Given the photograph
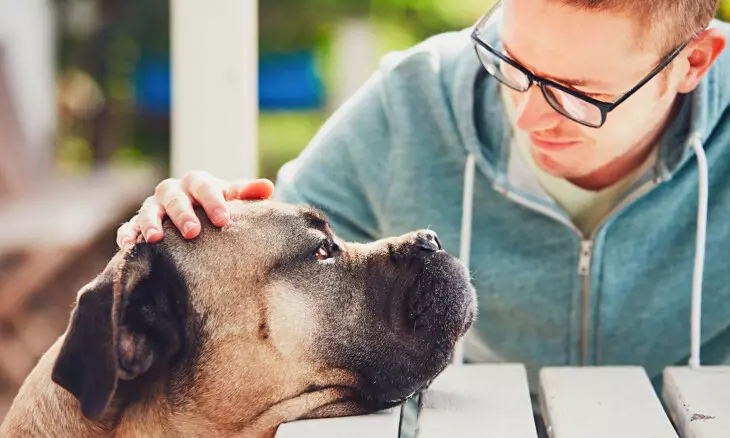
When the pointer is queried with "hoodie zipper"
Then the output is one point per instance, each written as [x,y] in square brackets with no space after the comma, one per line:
[586,248]
[584,269]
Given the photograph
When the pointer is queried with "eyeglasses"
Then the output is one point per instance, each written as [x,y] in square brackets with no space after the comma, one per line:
[570,103]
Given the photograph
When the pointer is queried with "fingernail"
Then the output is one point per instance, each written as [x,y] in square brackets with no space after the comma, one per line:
[149,233]
[188,227]
[219,215]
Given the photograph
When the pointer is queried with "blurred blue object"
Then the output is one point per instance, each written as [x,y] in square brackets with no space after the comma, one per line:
[152,87]
[288,81]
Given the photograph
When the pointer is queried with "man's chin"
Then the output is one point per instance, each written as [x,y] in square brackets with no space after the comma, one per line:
[551,166]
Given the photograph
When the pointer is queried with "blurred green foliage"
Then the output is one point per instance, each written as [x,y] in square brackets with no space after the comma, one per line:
[299,24]
[126,30]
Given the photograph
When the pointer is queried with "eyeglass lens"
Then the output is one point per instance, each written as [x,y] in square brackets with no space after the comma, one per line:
[566,104]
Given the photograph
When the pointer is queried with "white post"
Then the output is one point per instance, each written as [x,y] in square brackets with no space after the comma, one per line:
[27,31]
[355,55]
[215,87]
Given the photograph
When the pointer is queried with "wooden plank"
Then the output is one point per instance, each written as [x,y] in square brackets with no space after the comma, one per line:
[698,400]
[72,211]
[490,400]
[40,267]
[602,402]
[381,424]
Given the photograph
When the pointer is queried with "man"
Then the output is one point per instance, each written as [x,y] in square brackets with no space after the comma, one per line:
[583,213]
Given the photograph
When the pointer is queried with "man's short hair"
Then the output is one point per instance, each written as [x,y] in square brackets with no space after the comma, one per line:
[672,22]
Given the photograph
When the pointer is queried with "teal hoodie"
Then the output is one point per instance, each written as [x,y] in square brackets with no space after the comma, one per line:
[425,144]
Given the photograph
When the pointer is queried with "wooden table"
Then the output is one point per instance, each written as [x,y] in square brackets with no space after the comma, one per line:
[490,400]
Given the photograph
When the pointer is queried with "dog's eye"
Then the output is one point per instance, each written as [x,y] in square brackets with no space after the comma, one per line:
[326,250]
[323,252]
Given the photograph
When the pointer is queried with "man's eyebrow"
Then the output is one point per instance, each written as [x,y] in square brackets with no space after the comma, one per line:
[563,81]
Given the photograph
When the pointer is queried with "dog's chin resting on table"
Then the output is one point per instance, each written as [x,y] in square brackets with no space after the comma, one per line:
[267,320]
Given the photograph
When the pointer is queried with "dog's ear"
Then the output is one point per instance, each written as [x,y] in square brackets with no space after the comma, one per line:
[126,320]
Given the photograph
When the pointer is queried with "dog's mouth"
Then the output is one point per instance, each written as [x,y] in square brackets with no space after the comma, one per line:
[441,301]
[414,307]
[432,310]
[352,401]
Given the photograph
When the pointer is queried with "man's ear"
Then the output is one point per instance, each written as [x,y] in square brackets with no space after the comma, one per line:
[125,322]
[702,55]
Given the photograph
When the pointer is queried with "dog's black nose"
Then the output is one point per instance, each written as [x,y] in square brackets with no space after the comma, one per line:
[428,240]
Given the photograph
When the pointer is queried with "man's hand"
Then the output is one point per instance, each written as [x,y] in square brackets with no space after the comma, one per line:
[176,199]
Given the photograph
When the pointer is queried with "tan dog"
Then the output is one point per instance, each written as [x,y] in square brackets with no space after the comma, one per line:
[269,319]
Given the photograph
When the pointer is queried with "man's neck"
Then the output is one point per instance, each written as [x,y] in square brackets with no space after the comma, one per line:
[616,170]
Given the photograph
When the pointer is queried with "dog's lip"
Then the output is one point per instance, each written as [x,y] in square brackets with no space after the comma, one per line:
[316,388]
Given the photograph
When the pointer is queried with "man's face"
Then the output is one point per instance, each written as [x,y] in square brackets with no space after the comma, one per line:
[563,43]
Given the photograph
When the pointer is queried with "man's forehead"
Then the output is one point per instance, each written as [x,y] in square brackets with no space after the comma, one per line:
[566,44]
[573,81]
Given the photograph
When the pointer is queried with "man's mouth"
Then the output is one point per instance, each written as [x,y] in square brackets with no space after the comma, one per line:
[552,145]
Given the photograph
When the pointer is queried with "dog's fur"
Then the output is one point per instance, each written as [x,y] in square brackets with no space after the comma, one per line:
[244,328]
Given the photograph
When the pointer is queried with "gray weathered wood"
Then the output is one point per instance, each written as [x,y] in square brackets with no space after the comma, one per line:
[382,424]
[602,402]
[69,211]
[698,400]
[478,400]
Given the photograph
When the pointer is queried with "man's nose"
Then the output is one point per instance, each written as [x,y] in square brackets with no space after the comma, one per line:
[427,240]
[534,113]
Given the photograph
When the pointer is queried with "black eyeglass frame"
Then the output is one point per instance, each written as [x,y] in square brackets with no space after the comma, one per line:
[604,107]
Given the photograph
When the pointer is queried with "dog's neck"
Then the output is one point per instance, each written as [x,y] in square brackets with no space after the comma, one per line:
[42,406]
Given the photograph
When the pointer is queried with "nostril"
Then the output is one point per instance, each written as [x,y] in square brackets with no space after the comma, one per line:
[428,240]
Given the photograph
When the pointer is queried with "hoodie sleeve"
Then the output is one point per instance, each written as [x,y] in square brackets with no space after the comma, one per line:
[340,171]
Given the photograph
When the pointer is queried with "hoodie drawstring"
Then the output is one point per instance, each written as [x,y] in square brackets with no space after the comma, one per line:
[467,206]
[696,314]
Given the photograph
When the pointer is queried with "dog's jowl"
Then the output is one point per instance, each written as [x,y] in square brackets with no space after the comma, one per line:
[269,319]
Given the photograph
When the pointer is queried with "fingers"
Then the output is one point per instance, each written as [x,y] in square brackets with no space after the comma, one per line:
[248,190]
[207,191]
[176,203]
[149,220]
[176,198]
[127,233]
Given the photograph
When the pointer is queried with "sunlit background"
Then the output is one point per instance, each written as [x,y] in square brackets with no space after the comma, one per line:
[114,72]
[106,104]
[114,64]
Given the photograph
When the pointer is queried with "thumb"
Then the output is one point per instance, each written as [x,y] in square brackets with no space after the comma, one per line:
[249,190]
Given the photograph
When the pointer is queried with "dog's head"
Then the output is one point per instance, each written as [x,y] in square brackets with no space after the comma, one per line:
[268,319]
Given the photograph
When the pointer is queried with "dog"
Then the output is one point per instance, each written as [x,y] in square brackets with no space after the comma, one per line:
[267,320]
